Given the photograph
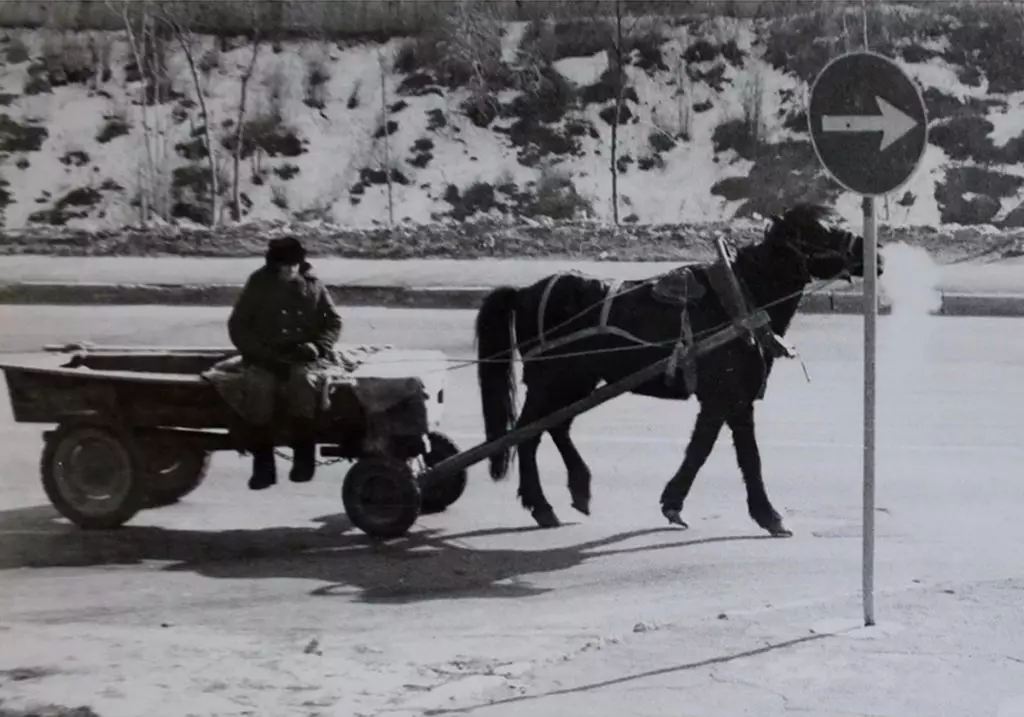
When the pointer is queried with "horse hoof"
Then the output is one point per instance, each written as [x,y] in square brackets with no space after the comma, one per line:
[546,518]
[778,530]
[582,505]
[675,517]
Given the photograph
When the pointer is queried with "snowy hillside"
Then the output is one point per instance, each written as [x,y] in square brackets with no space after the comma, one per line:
[515,118]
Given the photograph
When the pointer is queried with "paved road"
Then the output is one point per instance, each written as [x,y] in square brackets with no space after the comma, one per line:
[238,603]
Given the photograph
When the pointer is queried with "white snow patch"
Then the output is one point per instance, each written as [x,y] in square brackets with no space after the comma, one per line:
[583,70]
[1007,122]
[511,41]
[939,73]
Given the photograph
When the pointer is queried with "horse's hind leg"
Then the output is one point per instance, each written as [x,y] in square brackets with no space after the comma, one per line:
[741,423]
[530,492]
[702,441]
[576,467]
[579,473]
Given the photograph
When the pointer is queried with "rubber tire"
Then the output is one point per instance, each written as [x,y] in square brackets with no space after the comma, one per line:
[134,499]
[369,471]
[440,494]
[190,472]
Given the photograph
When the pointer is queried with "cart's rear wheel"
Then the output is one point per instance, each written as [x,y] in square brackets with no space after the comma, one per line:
[381,497]
[441,491]
[91,476]
[174,468]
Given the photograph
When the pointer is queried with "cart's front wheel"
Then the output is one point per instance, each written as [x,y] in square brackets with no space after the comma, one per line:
[381,497]
[439,492]
[91,476]
[174,468]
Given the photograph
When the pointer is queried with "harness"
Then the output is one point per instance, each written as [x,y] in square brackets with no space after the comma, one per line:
[604,328]
[732,294]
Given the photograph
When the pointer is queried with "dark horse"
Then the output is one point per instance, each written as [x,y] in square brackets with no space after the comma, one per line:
[797,247]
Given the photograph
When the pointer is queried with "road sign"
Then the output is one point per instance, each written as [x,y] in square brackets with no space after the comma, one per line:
[869,128]
[868,123]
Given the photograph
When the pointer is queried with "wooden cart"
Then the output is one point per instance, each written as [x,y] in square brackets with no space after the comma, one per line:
[135,428]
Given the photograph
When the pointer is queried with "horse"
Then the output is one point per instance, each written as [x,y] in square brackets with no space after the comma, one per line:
[633,325]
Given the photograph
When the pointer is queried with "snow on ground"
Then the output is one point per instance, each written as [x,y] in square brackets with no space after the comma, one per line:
[242,604]
[340,143]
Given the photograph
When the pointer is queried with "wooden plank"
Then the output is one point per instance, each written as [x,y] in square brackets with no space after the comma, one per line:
[604,394]
[86,347]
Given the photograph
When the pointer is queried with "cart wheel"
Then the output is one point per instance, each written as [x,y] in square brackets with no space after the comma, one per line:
[174,468]
[381,497]
[441,492]
[90,474]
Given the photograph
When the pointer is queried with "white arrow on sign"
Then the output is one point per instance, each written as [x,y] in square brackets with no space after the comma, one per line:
[892,123]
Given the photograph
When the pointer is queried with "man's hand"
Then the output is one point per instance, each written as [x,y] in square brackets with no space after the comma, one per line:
[305,352]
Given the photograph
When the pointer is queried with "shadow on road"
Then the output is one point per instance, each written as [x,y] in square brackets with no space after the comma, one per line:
[423,566]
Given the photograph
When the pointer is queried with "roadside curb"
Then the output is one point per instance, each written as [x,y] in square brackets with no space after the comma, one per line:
[39,293]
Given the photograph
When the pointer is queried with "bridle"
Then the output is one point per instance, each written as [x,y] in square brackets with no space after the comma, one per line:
[808,253]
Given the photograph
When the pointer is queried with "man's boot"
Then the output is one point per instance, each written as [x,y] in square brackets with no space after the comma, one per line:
[303,451]
[303,462]
[264,469]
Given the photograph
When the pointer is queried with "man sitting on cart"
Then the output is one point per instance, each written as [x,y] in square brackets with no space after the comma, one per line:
[283,324]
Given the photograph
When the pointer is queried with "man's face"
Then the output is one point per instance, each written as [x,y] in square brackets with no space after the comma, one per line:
[287,272]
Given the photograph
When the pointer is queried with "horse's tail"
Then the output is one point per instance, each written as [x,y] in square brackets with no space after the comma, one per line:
[495,336]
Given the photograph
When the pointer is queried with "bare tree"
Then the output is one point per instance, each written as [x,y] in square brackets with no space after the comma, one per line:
[472,47]
[387,141]
[187,41]
[620,85]
[139,43]
[684,98]
[236,195]
[623,37]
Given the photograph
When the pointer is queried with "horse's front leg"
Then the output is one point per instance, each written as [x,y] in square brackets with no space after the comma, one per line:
[702,441]
[741,423]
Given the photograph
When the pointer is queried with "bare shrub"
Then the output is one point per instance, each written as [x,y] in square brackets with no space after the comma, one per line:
[279,196]
[318,74]
[319,210]
[752,101]
[557,197]
[275,85]
[209,61]
[463,49]
[16,51]
[67,59]
[115,124]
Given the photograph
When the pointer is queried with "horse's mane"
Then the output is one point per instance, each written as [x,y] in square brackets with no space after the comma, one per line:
[806,213]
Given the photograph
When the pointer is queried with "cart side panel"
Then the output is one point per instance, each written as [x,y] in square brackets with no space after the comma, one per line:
[183,405]
[150,363]
[40,397]
[50,397]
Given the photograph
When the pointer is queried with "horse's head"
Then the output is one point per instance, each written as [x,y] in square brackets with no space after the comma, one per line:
[825,250]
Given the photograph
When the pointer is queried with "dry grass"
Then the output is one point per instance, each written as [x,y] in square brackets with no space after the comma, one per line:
[464,240]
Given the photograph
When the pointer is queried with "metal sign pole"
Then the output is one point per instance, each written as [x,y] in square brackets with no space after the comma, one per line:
[871,154]
[870,336]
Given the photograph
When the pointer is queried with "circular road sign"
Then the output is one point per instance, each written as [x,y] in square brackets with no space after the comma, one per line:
[868,123]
